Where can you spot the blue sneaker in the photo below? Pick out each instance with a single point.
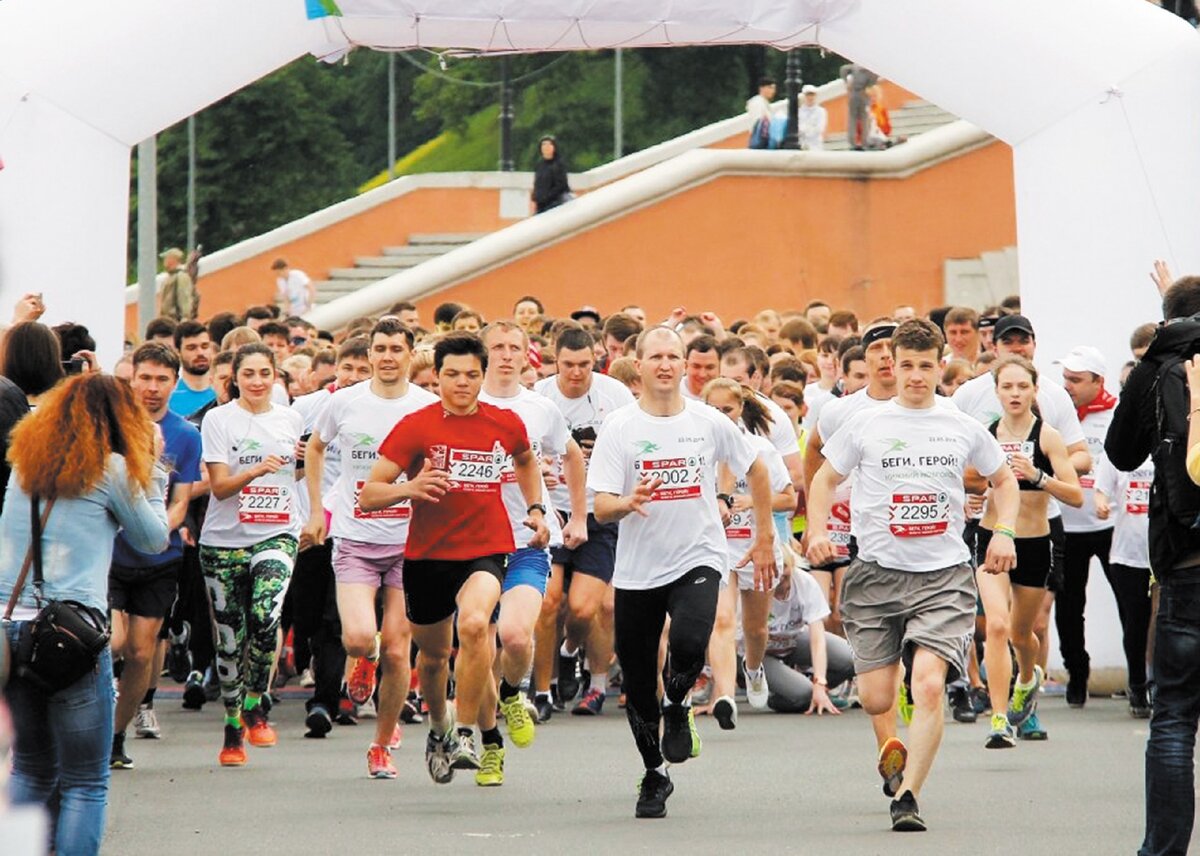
(1024, 700)
(1031, 729)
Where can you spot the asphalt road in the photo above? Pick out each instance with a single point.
(782, 784)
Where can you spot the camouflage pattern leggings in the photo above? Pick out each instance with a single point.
(246, 586)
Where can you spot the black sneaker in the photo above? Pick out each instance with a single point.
(568, 677)
(1139, 703)
(677, 733)
(981, 701)
(653, 791)
(212, 684)
(960, 701)
(119, 760)
(906, 817)
(1077, 691)
(545, 707)
(410, 714)
(193, 692)
(318, 722)
(179, 658)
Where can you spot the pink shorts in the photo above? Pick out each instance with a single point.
(359, 563)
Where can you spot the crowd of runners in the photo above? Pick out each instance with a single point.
(457, 521)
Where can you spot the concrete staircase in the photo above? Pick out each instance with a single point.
(369, 269)
(911, 120)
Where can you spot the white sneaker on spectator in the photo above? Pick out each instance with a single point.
(756, 687)
(145, 723)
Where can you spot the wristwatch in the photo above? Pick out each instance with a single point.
(537, 506)
(726, 498)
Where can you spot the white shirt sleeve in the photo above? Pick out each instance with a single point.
(842, 451)
(732, 448)
(986, 454)
(812, 600)
(555, 441)
(1064, 419)
(606, 469)
(1107, 479)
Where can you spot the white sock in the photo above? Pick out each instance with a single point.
(599, 681)
(567, 652)
(1022, 685)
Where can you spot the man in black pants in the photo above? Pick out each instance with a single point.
(654, 469)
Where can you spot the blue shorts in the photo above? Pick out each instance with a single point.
(528, 566)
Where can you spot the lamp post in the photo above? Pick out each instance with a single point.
(793, 80)
(506, 117)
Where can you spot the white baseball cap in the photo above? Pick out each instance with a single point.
(1084, 358)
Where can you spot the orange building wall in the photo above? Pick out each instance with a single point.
(741, 243)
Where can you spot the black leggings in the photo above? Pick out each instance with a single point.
(1132, 588)
(638, 620)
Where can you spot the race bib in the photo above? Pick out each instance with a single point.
(838, 529)
(265, 504)
(739, 528)
(392, 512)
(681, 477)
(475, 472)
(1087, 482)
(1137, 497)
(1023, 448)
(919, 515)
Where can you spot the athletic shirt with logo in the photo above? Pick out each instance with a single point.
(908, 487)
(585, 416)
(1095, 429)
(548, 436)
(266, 507)
(1129, 502)
(356, 421)
(739, 534)
(470, 520)
(977, 398)
(683, 528)
(789, 619)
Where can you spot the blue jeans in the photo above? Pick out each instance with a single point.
(1170, 799)
(62, 750)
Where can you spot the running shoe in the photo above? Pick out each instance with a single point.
(590, 705)
(544, 706)
(318, 722)
(258, 730)
(724, 711)
(757, 690)
(379, 762)
(491, 767)
(1031, 729)
(1024, 701)
(702, 691)
(893, 755)
(410, 714)
(1139, 704)
(697, 744)
(233, 753)
(981, 701)
(397, 738)
(1077, 691)
(905, 705)
(1002, 735)
(463, 756)
(347, 712)
(517, 720)
(677, 733)
(179, 658)
(307, 679)
(361, 684)
(145, 723)
(119, 760)
(193, 692)
(568, 677)
(438, 750)
(906, 817)
(367, 710)
(960, 703)
(653, 790)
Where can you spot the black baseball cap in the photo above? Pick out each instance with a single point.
(586, 312)
(1012, 322)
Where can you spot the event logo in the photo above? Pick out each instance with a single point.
(645, 447)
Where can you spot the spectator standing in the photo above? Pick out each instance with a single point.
(759, 109)
(295, 293)
(178, 298)
(550, 185)
(812, 120)
(858, 81)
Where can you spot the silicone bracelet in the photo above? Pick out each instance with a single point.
(1004, 530)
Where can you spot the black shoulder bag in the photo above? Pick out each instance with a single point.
(63, 642)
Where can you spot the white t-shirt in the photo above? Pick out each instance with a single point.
(548, 436)
(1095, 429)
(683, 528)
(782, 435)
(585, 415)
(811, 122)
(309, 407)
(740, 532)
(1129, 499)
(815, 398)
(758, 107)
(266, 507)
(293, 291)
(977, 398)
(789, 619)
(908, 487)
(356, 421)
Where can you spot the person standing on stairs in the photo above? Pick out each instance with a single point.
(550, 186)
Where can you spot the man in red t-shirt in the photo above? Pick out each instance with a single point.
(453, 455)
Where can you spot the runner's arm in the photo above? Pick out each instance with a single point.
(181, 495)
(575, 474)
(1063, 482)
(762, 551)
(1081, 458)
(381, 490)
(820, 501)
(529, 477)
(796, 468)
(314, 472)
(974, 481)
(813, 458)
(1006, 500)
(224, 484)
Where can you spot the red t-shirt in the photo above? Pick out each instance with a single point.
(470, 521)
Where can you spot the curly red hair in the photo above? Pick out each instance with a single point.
(62, 448)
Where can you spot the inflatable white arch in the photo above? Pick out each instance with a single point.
(1100, 100)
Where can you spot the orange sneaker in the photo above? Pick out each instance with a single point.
(233, 753)
(258, 730)
(893, 755)
(397, 736)
(361, 684)
(379, 762)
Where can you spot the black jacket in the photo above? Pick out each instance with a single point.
(549, 184)
(1133, 435)
(13, 407)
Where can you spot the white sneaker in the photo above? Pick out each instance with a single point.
(145, 723)
(756, 687)
(307, 678)
(367, 710)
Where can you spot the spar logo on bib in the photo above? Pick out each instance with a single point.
(681, 478)
(919, 515)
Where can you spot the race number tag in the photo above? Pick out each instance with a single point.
(919, 515)
(1137, 497)
(1023, 448)
(401, 511)
(265, 504)
(838, 529)
(739, 528)
(475, 472)
(681, 477)
(1088, 482)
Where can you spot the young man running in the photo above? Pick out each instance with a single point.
(368, 547)
(654, 470)
(528, 567)
(909, 595)
(459, 539)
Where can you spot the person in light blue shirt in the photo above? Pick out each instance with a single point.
(194, 389)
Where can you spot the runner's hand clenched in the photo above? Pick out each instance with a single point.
(541, 533)
(574, 533)
(1001, 555)
(429, 485)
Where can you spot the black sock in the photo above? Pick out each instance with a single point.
(466, 731)
(118, 667)
(507, 690)
(492, 737)
(148, 698)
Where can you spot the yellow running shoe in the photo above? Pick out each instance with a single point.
(521, 729)
(491, 767)
(893, 756)
(697, 745)
(905, 705)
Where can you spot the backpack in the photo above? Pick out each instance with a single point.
(1173, 406)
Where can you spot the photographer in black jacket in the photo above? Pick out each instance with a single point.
(1174, 560)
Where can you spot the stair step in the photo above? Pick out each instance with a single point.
(398, 262)
(421, 250)
(342, 285)
(445, 238)
(370, 274)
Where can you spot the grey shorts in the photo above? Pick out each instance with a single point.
(887, 613)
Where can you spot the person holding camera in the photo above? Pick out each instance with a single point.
(108, 479)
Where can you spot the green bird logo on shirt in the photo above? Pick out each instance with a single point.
(645, 447)
(363, 439)
(251, 446)
(894, 444)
